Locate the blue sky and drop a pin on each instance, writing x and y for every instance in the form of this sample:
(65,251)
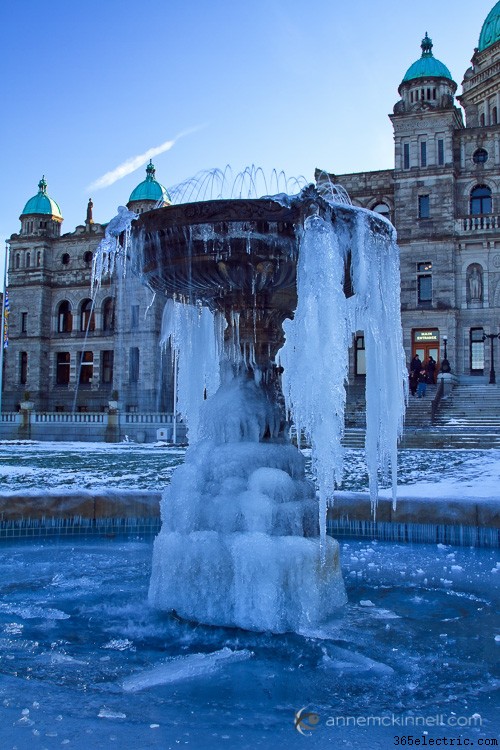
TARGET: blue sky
(287,85)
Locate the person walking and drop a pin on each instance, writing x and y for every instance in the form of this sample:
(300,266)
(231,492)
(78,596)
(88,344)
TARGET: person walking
(422,384)
(431,370)
(415,364)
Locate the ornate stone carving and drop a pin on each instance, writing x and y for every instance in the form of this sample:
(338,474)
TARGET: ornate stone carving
(475,283)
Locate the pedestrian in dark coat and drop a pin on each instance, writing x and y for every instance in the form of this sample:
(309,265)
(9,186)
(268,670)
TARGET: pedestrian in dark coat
(431,370)
(422,384)
(415,364)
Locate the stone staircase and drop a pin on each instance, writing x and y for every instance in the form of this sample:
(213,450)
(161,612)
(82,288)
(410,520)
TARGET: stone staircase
(469,417)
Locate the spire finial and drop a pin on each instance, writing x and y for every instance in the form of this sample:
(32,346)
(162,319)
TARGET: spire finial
(150,171)
(426,46)
(90,206)
(42,185)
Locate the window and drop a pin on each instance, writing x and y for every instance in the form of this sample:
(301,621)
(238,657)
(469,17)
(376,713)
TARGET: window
(480,156)
(440,152)
(424,283)
(23,368)
(382,209)
(406,156)
(62,368)
(18,260)
(87,258)
(494,116)
(108,314)
(86,368)
(482,120)
(65,259)
(39,258)
(476,351)
(134,317)
(107,358)
(28,260)
(360,363)
(87,317)
(134,364)
(64,318)
(424,210)
(423,154)
(24,322)
(480,200)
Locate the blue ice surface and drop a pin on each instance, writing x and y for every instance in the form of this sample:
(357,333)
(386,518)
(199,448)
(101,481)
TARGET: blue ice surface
(417,639)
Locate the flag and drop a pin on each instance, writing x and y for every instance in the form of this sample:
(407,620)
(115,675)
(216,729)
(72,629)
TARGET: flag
(6,313)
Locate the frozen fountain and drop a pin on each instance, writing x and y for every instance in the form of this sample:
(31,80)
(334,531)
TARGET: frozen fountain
(243,541)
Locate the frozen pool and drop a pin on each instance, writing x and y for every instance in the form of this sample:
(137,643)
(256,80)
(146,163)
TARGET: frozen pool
(86,664)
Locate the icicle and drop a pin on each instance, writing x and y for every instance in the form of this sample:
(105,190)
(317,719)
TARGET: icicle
(109,249)
(315,355)
(196,337)
(376,281)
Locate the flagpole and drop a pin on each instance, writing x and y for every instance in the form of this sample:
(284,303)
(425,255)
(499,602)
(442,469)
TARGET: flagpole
(2,347)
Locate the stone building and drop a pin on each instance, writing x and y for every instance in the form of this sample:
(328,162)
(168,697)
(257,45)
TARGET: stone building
(69,353)
(443,196)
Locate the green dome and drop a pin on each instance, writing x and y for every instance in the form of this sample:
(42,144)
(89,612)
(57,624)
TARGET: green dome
(150,189)
(41,203)
(490,33)
(427,66)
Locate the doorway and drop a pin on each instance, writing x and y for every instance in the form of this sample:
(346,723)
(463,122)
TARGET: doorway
(426,344)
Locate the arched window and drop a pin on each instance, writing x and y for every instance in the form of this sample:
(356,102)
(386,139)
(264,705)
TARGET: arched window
(87,319)
(480,200)
(494,116)
(64,318)
(108,314)
(39,258)
(382,209)
(28,260)
(18,260)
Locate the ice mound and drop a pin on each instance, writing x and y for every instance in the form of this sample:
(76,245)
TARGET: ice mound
(240,545)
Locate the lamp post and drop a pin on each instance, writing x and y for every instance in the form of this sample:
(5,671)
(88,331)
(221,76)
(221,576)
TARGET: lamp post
(445,365)
(491,337)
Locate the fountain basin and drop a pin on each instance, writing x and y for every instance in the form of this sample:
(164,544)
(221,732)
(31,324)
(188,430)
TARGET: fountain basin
(85,659)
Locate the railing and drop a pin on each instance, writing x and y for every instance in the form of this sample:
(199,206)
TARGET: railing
(437,399)
(61,416)
(477,223)
(148,418)
(10,416)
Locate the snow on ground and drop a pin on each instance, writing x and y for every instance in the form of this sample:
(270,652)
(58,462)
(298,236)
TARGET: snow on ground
(73,466)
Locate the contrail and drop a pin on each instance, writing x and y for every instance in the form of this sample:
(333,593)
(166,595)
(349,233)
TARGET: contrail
(134,162)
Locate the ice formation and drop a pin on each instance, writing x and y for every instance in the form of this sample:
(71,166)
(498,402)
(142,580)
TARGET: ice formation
(315,356)
(243,539)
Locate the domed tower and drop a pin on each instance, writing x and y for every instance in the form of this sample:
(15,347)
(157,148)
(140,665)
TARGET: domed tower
(41,215)
(427,84)
(481,85)
(424,122)
(149,193)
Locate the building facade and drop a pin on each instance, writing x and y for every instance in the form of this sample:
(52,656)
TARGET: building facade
(67,351)
(443,197)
